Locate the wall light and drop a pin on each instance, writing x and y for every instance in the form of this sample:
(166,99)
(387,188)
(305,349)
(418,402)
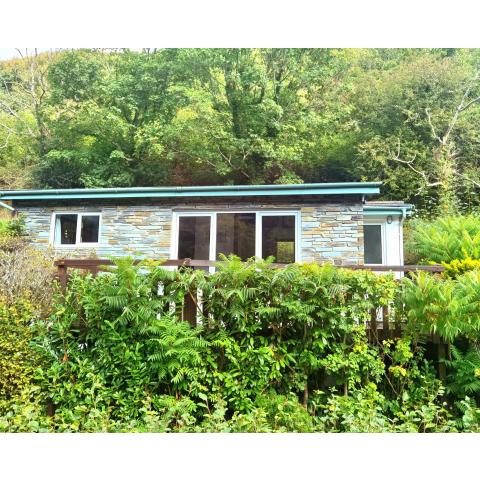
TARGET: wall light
(389,219)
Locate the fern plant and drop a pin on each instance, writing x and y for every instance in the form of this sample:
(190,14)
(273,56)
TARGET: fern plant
(176,350)
(446,239)
(447,307)
(464,376)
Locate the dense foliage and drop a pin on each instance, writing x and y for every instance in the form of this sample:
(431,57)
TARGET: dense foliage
(447,239)
(273,350)
(103,118)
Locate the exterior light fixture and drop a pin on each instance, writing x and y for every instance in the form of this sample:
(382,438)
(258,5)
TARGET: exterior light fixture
(389,219)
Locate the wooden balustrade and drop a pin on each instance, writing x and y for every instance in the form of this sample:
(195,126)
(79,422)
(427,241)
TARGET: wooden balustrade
(382,323)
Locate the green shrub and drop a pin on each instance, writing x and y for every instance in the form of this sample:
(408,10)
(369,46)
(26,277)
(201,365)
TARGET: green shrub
(470,415)
(113,345)
(116,344)
(17,359)
(446,239)
(13,227)
(277,350)
(26,413)
(460,266)
(464,367)
(360,411)
(448,307)
(271,328)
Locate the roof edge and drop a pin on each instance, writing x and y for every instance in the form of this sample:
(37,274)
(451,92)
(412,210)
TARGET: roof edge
(404,210)
(345,188)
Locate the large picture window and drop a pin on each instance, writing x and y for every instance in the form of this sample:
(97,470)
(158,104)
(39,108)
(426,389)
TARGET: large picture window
(76,229)
(206,236)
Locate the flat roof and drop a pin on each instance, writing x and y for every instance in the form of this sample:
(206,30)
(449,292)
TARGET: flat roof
(343,188)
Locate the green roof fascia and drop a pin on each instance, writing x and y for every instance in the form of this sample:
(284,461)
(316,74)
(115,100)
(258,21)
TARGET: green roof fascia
(355,188)
(376,211)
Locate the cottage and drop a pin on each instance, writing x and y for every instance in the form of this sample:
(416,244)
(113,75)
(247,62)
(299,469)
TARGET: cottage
(322,222)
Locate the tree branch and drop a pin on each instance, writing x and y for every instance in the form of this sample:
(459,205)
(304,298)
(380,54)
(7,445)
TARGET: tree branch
(477,184)
(409,164)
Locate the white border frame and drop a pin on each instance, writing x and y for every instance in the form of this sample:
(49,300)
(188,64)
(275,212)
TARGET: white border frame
(259,213)
(77,243)
(382,226)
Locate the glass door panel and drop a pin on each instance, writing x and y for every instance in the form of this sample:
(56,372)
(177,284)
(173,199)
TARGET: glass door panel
(373,244)
(236,234)
(278,237)
(194,238)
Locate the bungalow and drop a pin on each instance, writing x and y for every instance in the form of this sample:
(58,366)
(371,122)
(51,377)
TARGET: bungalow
(323,222)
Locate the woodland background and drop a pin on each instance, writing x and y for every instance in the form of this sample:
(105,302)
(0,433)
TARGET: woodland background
(118,118)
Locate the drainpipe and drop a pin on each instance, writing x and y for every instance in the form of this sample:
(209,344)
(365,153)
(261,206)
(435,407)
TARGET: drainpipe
(403,216)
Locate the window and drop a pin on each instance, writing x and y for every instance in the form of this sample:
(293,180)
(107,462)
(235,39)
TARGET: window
(76,229)
(205,236)
(89,228)
(278,238)
(65,229)
(194,238)
(373,250)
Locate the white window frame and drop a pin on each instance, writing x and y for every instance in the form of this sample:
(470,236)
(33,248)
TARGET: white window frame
(77,243)
(259,214)
(382,226)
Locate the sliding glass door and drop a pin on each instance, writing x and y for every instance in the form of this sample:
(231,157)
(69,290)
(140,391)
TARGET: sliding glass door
(236,234)
(194,237)
(205,236)
(278,237)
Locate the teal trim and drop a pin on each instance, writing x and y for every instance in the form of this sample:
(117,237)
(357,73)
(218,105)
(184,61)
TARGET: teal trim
(8,207)
(354,188)
(376,211)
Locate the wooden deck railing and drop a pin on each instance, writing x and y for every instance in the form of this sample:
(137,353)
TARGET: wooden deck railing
(93,265)
(382,323)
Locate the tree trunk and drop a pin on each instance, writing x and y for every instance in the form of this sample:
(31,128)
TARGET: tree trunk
(305,395)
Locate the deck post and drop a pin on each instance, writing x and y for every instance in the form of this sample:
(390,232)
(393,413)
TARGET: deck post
(442,368)
(386,322)
(62,275)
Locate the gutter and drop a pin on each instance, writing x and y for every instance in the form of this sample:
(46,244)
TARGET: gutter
(374,210)
(347,188)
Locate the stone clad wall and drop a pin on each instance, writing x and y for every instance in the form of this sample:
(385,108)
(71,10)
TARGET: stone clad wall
(333,232)
(140,231)
(330,232)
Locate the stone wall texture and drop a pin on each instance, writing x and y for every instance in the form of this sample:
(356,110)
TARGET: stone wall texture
(330,231)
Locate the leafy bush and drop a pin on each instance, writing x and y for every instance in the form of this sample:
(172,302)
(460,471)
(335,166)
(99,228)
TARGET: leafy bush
(271,328)
(446,239)
(448,307)
(361,411)
(114,345)
(460,266)
(17,359)
(25,414)
(13,227)
(464,379)
(276,350)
